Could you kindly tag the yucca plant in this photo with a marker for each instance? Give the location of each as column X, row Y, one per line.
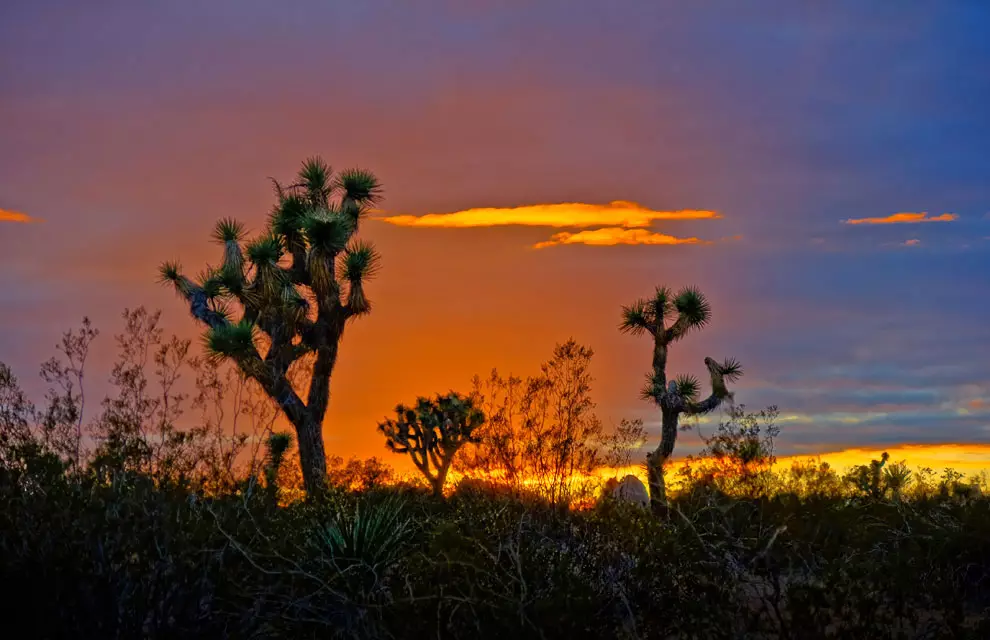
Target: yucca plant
column 896, row 476
column 297, row 285
column 277, row 446
column 667, row 318
column 373, row 535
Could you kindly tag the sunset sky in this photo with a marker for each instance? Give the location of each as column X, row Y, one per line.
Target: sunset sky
column 820, row 170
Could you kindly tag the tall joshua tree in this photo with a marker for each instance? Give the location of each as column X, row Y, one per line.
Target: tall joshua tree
column 432, row 432
column 667, row 318
column 296, row 285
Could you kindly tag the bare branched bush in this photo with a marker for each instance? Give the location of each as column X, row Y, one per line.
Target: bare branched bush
column 542, row 434
column 738, row 458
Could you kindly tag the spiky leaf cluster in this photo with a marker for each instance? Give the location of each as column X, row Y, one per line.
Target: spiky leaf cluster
column 277, row 446
column 666, row 315
column 374, row 535
column 307, row 252
column 231, row 340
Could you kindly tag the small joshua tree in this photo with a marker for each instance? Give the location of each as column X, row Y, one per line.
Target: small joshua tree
column 667, row 318
column 432, row 432
column 298, row 284
column 868, row 480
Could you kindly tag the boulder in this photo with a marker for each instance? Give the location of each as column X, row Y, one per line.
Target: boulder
column 630, row 490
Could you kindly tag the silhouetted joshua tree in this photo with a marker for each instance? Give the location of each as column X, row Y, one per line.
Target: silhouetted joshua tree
column 298, row 284
column 869, row 479
column 668, row 318
column 432, row 432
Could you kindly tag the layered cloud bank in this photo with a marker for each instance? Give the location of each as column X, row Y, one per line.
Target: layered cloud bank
column 15, row 216
column 620, row 222
column 904, row 218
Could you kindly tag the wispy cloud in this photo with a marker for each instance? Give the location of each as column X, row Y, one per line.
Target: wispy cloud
column 903, row 218
column 15, row 216
column 612, row 236
column 913, row 242
column 618, row 213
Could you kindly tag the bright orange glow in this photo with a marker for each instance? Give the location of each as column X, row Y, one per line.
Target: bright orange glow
column 612, row 236
column 618, row 213
column 904, row 218
column 15, row 216
column 970, row 460
column 965, row 458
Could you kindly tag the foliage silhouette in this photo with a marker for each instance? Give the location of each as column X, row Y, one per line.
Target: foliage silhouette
column 432, row 433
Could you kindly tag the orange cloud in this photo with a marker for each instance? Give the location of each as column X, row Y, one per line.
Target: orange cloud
column 903, row 218
column 611, row 236
column 15, row 216
column 618, row 213
column 913, row 242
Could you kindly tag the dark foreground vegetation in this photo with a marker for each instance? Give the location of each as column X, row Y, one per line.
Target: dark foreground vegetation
column 132, row 557
column 177, row 508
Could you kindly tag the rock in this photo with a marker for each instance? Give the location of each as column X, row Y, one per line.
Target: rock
column 630, row 490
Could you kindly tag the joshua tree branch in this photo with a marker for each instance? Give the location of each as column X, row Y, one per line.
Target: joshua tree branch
column 719, row 391
column 297, row 271
column 678, row 329
column 660, row 362
column 200, row 308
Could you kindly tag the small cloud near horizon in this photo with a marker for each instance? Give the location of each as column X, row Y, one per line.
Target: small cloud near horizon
column 913, row 242
column 16, row 216
column 904, row 218
column 618, row 213
column 612, row 236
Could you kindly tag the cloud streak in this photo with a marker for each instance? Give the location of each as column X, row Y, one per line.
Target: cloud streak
column 904, row 218
column 15, row 216
column 611, row 236
column 618, row 213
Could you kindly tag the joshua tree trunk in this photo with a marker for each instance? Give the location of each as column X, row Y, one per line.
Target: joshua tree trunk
column 439, row 481
column 657, row 460
column 312, row 456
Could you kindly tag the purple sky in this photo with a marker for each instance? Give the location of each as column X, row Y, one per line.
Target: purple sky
column 128, row 128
